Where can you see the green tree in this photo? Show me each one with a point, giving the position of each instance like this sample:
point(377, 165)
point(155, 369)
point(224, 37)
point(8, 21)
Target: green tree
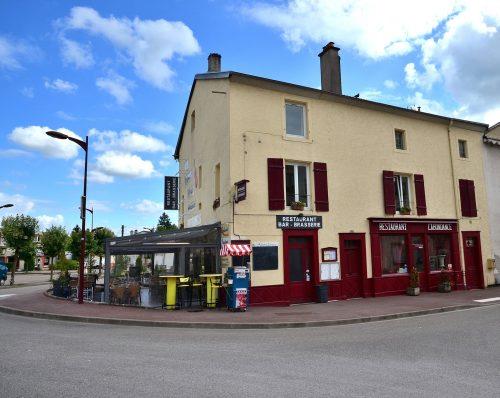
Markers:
point(164, 223)
point(54, 241)
point(18, 232)
point(28, 255)
point(75, 242)
point(100, 236)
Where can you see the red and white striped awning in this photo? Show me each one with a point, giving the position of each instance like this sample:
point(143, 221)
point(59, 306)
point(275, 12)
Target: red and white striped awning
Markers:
point(231, 249)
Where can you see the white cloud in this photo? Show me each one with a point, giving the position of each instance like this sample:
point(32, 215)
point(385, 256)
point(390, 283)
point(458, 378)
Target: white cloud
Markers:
point(126, 141)
point(144, 206)
point(21, 203)
point(12, 153)
point(149, 44)
point(98, 205)
point(390, 84)
point(467, 58)
point(93, 174)
point(61, 85)
point(34, 138)
point(424, 80)
point(425, 104)
point(375, 29)
point(124, 165)
point(158, 127)
point(165, 161)
point(28, 92)
point(65, 116)
point(13, 52)
point(117, 86)
point(76, 54)
point(46, 222)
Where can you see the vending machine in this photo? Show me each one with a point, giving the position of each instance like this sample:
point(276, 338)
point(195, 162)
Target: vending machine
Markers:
point(238, 288)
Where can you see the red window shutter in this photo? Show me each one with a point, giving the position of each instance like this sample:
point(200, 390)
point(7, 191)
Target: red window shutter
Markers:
point(420, 194)
point(320, 187)
point(464, 197)
point(472, 198)
point(389, 193)
point(275, 185)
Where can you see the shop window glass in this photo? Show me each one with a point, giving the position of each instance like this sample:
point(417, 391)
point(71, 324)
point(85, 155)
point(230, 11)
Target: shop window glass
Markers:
point(394, 258)
point(439, 251)
point(417, 246)
point(295, 260)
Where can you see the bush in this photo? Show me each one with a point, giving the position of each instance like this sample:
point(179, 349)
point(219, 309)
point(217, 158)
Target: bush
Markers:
point(64, 265)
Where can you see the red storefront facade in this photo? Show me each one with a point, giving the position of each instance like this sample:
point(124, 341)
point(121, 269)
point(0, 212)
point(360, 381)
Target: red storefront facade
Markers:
point(398, 245)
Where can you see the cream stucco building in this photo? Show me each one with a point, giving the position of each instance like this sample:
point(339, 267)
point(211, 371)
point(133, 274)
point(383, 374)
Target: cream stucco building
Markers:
point(492, 170)
point(384, 189)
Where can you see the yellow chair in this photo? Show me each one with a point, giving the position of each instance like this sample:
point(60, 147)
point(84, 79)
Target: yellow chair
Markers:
point(182, 285)
point(215, 285)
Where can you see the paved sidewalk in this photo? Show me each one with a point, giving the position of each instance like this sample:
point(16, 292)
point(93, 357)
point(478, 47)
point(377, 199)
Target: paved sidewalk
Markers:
point(34, 302)
point(31, 278)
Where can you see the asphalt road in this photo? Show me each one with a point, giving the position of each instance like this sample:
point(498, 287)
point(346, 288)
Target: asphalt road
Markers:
point(447, 355)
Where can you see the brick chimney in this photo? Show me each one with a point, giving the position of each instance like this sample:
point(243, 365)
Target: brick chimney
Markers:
point(330, 69)
point(214, 62)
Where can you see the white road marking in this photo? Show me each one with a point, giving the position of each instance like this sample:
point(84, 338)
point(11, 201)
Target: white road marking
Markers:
point(6, 295)
point(488, 300)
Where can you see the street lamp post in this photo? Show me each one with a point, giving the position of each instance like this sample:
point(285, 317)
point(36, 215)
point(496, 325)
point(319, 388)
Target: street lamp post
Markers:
point(91, 211)
point(6, 205)
point(85, 146)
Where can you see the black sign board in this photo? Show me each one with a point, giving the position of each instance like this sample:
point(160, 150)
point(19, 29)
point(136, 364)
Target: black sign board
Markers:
point(241, 191)
point(299, 222)
point(171, 201)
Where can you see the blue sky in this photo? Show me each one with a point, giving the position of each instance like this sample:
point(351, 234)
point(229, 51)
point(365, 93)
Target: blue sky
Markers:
point(121, 72)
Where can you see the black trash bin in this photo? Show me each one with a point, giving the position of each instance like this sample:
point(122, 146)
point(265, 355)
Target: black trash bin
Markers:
point(322, 293)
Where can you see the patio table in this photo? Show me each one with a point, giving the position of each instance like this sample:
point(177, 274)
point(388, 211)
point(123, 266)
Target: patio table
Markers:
point(212, 294)
point(171, 294)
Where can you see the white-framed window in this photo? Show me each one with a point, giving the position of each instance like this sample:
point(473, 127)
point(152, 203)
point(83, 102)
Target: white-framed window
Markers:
point(297, 183)
point(295, 115)
point(402, 192)
point(462, 149)
point(400, 139)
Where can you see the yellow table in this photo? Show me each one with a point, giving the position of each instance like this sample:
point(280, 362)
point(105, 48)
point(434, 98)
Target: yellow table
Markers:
point(212, 294)
point(171, 294)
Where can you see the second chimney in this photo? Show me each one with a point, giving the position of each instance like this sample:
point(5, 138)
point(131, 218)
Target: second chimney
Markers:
point(214, 62)
point(330, 69)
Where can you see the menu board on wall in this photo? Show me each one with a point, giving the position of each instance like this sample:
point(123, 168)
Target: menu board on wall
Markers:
point(265, 256)
point(330, 271)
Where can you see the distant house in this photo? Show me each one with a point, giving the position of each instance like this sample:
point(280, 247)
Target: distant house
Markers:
point(332, 188)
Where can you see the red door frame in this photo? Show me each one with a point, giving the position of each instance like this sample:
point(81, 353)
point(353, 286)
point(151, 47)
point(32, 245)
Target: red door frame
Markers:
point(315, 256)
point(477, 235)
point(354, 236)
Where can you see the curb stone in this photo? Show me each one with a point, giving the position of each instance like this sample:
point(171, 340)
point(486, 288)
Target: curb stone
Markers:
point(220, 325)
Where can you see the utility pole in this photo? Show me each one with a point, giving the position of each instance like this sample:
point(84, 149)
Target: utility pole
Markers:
point(123, 229)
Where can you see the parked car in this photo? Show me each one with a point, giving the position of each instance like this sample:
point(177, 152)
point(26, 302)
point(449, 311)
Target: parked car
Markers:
point(4, 270)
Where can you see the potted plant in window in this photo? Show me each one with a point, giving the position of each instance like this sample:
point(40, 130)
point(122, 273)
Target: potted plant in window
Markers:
point(444, 285)
point(404, 211)
point(297, 205)
point(414, 288)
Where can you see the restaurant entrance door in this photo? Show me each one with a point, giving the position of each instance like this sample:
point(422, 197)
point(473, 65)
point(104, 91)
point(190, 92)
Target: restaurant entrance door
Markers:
point(473, 260)
point(299, 268)
point(352, 263)
point(418, 259)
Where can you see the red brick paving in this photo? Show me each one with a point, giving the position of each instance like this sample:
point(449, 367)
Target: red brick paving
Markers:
point(337, 310)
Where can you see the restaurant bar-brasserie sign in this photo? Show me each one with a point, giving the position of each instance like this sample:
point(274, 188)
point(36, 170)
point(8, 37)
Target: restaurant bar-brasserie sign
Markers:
point(299, 222)
point(171, 197)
